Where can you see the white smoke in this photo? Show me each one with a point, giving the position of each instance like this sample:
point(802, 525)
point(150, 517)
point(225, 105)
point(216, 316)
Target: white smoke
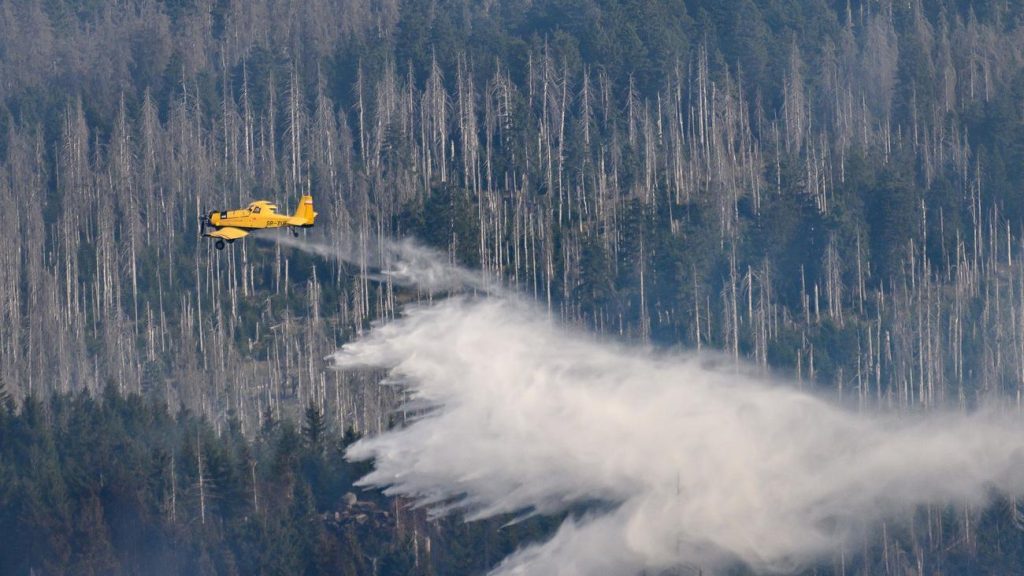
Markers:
point(694, 463)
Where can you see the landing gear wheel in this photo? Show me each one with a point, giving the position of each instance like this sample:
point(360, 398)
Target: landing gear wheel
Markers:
point(295, 233)
point(219, 244)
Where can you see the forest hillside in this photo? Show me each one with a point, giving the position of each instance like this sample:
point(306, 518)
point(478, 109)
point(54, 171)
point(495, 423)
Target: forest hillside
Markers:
point(827, 191)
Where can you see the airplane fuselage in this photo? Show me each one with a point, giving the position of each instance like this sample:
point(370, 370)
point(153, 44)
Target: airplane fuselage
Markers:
point(231, 225)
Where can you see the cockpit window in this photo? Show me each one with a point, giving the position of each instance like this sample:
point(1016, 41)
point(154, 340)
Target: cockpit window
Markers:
point(255, 209)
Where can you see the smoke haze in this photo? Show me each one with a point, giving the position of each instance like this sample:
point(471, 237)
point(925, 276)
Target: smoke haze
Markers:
point(693, 463)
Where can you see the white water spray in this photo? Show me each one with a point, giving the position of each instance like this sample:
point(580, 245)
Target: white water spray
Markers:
point(695, 463)
point(700, 466)
point(404, 263)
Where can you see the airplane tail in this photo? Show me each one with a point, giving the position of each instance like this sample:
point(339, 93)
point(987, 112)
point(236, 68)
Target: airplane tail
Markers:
point(305, 210)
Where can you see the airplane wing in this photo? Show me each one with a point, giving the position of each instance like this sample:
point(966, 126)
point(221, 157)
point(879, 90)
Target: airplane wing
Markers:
point(227, 233)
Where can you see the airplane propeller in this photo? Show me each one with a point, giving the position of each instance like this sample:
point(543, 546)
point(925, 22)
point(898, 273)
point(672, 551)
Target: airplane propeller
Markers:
point(204, 222)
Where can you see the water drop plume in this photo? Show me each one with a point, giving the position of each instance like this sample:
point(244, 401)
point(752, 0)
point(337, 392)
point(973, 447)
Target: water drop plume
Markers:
point(403, 262)
point(691, 462)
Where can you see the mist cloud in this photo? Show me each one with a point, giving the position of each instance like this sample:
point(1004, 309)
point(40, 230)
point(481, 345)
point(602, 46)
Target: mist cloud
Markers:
point(696, 464)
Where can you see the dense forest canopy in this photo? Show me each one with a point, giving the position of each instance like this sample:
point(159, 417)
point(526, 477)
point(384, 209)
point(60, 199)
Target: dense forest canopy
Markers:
point(109, 484)
point(825, 189)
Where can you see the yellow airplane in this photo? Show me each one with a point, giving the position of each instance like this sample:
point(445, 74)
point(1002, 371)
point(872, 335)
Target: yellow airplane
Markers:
point(231, 225)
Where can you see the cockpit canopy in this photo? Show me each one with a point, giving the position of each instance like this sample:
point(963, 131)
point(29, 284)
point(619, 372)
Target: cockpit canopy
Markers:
point(262, 207)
